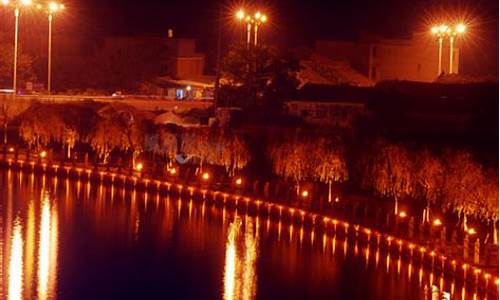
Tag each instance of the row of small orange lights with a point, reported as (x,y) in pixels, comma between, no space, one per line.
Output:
(437,222)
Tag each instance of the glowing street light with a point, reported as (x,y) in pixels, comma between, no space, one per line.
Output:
(443,31)
(259,20)
(139,167)
(43,154)
(53,7)
(440,32)
(305,194)
(205,176)
(17,7)
(240,15)
(458,30)
(238,181)
(254,21)
(402,214)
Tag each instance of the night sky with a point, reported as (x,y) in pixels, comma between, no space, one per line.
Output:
(292,22)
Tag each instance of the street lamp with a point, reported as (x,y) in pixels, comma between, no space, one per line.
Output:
(458,30)
(17,7)
(440,32)
(443,31)
(259,20)
(52,8)
(252,21)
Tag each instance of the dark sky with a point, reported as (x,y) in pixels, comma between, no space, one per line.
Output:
(293,22)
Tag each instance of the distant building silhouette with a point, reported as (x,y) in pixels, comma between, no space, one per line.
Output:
(377,58)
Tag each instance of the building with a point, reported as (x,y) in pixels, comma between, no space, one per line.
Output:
(338,106)
(185,79)
(319,70)
(184,60)
(413,59)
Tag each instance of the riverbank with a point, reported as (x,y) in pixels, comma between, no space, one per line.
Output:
(475,276)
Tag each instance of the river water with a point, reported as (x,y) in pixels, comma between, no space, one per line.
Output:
(63,239)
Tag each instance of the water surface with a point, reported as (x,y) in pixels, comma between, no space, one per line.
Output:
(64,239)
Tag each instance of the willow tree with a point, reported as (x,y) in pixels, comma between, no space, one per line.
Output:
(40,125)
(195,142)
(240,155)
(69,137)
(6,111)
(490,196)
(231,152)
(462,186)
(105,136)
(132,125)
(291,160)
(167,144)
(429,179)
(390,173)
(329,164)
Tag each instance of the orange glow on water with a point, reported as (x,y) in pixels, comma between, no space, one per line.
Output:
(16,264)
(240,277)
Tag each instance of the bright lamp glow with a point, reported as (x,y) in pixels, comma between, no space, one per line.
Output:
(258,15)
(443,28)
(437,222)
(435,30)
(5,2)
(263,18)
(26,2)
(53,6)
(240,14)
(460,28)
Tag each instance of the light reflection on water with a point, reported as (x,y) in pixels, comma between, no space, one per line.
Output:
(240,277)
(16,263)
(25,245)
(38,213)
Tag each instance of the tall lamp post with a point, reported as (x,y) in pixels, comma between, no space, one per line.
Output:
(17,11)
(440,32)
(458,30)
(254,21)
(52,8)
(258,21)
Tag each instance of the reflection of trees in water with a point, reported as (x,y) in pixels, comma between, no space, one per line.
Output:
(240,277)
